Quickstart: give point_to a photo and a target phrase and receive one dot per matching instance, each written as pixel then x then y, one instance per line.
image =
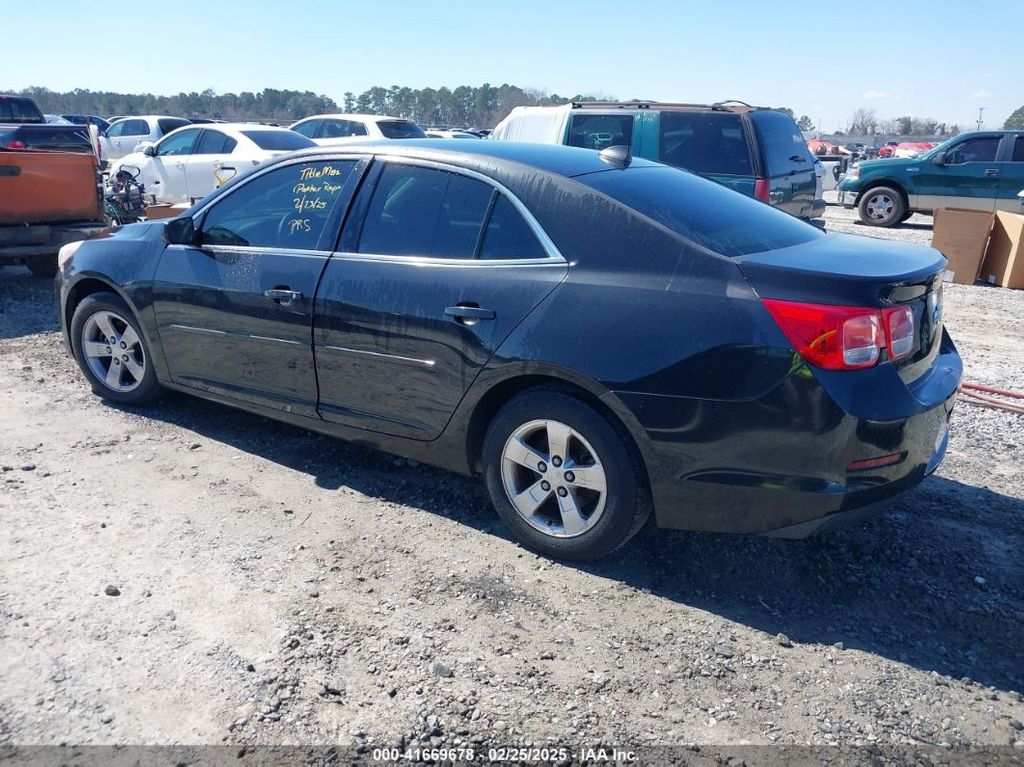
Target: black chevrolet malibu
pixel 599 337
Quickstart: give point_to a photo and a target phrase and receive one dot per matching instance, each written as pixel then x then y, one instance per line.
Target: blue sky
pixel 941 59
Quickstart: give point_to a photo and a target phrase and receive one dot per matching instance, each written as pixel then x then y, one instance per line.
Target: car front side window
pixel 115 130
pixel 286 208
pixel 974 150
pixel 178 144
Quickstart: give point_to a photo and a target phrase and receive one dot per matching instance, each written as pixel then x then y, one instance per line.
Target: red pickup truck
pixel 50 187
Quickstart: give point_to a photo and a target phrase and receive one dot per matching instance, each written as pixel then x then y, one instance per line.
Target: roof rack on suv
pixel 721 106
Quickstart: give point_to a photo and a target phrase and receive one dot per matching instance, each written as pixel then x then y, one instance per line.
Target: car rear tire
pixel 111 350
pixel 881 206
pixel 567 482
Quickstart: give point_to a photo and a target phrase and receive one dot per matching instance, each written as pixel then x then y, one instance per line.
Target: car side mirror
pixel 149 150
pixel 181 231
pixel 939 159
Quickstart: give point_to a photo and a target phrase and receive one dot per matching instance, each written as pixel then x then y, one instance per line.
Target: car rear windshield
pixel 167 124
pixel 702 211
pixel 278 140
pixel 17 110
pixel 400 129
pixel 705 142
pixel 782 143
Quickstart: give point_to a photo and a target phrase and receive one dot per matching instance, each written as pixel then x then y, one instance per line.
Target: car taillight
pixel 762 190
pixel 844 337
pixel 16 144
pixel 899 331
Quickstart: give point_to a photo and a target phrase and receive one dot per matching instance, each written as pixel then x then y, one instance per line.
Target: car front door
pixel 964 175
pixel 210 164
pixel 164 173
pixel 234 310
pixel 1011 174
pixel 436 267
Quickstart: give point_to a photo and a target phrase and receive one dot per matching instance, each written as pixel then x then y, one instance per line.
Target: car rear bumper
pixel 780 464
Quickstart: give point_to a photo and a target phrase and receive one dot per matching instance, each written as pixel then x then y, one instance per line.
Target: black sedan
pixel 599 337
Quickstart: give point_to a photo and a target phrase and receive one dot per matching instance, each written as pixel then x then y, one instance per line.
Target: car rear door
pixel 1011 174
pixel 436 267
pixel 966 176
pixel 234 311
pixel 788 163
pixel 210 163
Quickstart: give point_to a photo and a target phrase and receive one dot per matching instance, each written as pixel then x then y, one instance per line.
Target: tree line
pixel 471 106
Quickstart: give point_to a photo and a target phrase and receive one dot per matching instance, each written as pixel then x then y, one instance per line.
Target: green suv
pixel 756 151
pixel 983 170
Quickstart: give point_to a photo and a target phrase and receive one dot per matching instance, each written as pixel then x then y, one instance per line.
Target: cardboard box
pixel 163 210
pixel 962 236
pixel 1004 261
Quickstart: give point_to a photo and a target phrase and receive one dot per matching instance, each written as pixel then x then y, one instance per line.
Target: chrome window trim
pixel 553 254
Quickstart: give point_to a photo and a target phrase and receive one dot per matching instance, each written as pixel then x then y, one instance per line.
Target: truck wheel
pixel 43 267
pixel 112 352
pixel 565 480
pixel 881 206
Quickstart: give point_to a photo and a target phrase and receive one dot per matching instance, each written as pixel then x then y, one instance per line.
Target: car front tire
pixel 566 481
pixel 881 206
pixel 112 352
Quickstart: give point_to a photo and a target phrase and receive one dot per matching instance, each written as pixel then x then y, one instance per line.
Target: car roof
pixel 150 117
pixel 475 154
pixel 353 116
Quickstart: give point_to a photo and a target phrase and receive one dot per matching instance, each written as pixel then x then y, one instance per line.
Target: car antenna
pixel 619 155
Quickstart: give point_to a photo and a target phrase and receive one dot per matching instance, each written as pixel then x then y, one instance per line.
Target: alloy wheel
pixel 113 351
pixel 554 479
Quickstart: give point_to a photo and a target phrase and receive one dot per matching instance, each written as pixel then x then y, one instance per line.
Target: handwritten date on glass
pixel 312 184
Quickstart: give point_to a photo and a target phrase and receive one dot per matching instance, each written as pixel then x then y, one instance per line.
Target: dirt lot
pixel 191 574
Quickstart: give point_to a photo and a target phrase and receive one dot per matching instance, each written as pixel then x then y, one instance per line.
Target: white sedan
pixel 346 128
pixel 191 162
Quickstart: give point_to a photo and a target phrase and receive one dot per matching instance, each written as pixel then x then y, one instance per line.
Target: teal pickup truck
pixel 982 170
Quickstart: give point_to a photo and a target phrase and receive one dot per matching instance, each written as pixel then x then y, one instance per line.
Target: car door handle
pixel 991 172
pixel 473 313
pixel 283 295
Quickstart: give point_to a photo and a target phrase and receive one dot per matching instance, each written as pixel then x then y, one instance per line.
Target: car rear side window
pixel 702 211
pixel 705 142
pixel 400 129
pixel 600 131
pixel 286 208
pixel 1018 150
pixel 278 140
pixel 782 144
pixel 418 211
pixel 508 236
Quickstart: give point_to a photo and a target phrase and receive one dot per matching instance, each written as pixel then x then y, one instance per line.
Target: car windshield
pixel 702 211
pixel 400 129
pixel 278 140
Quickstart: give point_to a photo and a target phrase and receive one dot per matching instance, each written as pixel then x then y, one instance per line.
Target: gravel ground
pixel 189 574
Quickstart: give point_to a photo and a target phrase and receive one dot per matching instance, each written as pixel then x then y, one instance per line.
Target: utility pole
pixel 980 110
